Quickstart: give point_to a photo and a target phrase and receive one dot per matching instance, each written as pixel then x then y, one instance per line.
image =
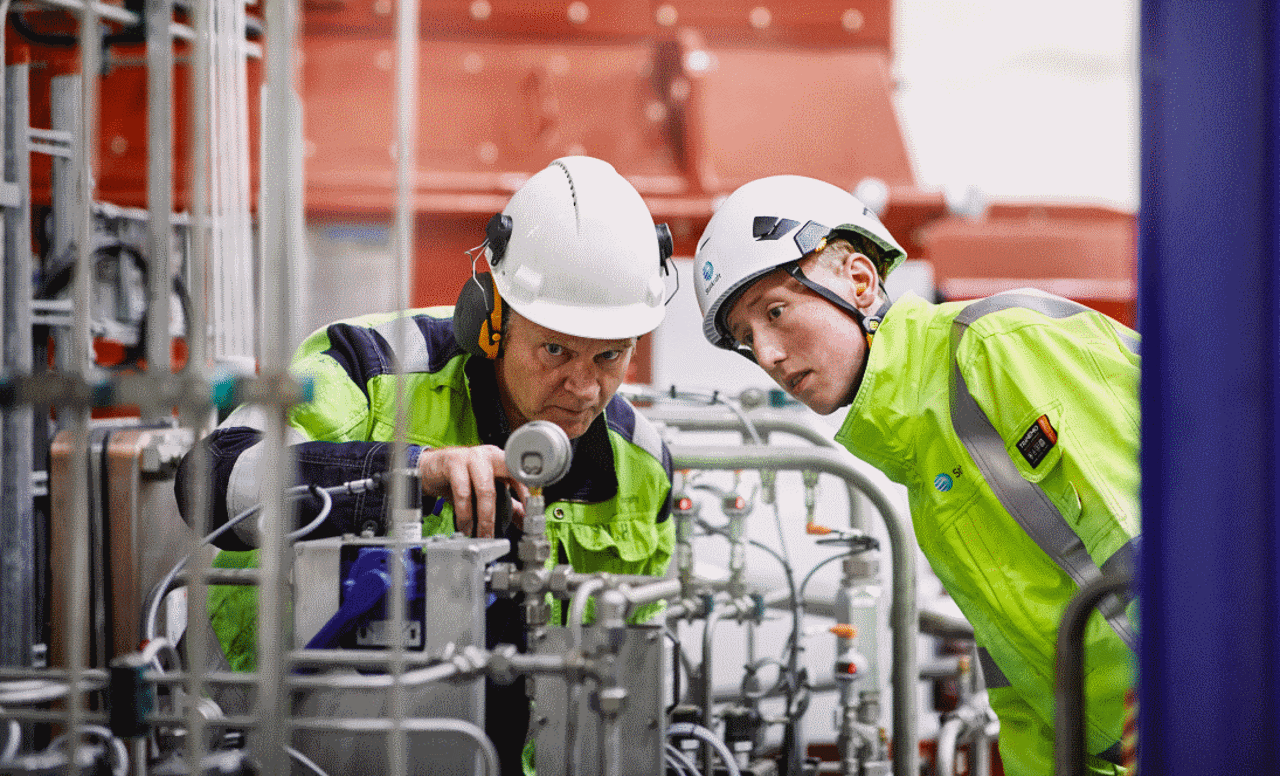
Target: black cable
pixel 675 666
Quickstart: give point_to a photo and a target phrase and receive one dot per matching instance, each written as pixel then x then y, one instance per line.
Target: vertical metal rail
pixel 902 548
pixel 86 144
pixel 159 15
pixel 195 373
pixel 406 172
pixel 17 555
pixel 281 190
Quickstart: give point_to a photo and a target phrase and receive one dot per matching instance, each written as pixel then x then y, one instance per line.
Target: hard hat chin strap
pixel 869 324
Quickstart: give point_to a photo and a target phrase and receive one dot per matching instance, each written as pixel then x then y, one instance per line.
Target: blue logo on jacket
pixel 707 271
pixel 942 482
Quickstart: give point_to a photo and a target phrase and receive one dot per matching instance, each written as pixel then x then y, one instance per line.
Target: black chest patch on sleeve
pixel 1038 440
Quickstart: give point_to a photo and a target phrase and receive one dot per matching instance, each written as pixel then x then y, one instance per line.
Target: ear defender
pixel 479 316
pixel 666 246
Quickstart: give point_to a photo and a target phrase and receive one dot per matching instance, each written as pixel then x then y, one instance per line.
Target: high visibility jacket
pixel 1013 422
pixel 609 512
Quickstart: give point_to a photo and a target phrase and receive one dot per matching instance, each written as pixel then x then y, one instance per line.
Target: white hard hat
pixel 576 251
pixel 769 223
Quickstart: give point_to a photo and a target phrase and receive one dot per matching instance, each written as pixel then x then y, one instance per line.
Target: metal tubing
pixel 731 608
pixel 17 563
pixel 77 616
pixel 1068 694
pixel 413 725
pixel 659 590
pixel 766 423
pixel 281 191
pixel 578 609
pixel 902 553
pixel 159 189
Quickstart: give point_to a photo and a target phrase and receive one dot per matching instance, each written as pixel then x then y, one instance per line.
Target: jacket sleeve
pixel 328 436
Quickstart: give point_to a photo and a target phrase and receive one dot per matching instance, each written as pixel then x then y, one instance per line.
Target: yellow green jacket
pixel 988 412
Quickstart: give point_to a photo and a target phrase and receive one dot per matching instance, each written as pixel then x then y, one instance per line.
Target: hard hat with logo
pixel 771 223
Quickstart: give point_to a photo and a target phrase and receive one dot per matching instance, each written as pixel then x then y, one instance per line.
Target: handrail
pixel 1068 694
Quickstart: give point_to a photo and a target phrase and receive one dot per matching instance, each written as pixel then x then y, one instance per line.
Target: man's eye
pixel 553 349
pixel 774 312
pixel 610 355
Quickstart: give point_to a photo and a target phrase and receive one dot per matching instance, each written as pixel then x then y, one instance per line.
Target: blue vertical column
pixel 1208 312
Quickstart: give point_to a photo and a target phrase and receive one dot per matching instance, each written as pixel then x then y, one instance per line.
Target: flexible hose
pixel 160 590
pixel 680 762
pixel 707 737
pixel 15 740
pixel 305 761
pixel 121 765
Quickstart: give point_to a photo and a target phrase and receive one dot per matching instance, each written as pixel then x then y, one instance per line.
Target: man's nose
pixel 581 380
pixel 768 351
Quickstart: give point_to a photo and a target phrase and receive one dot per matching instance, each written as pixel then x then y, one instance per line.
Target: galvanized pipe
pixel 281 193
pixel 413 725
pixel 159 15
pixel 195 411
pixel 709 420
pixel 902 553
pixel 17 564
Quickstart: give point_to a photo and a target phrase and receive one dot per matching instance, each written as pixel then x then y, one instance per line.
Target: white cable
pixel 121 765
pixel 680 762
pixel 707 737
pixel 15 740
pixel 305 761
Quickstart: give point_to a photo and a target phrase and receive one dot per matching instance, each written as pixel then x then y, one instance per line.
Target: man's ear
pixel 862 275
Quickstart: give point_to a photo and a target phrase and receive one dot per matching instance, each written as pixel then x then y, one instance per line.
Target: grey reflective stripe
pixel 415 357
pixel 646 437
pixel 1025 501
pixel 1037 301
pixel 992 677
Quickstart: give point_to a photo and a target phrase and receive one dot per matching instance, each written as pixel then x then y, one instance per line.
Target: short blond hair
pixel 837 249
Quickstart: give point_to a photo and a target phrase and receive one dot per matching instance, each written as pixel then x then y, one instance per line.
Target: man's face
pixel 810 348
pixel 568 380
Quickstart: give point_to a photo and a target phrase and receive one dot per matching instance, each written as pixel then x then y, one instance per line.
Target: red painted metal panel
pixel 844 23
pixel 823 113
pixel 491 114
pixel 1083 253
pixel 484 18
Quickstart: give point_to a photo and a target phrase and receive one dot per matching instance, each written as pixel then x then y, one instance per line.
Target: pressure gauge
pixel 538 453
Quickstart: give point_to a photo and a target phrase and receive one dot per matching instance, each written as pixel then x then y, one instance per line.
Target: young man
pixel 1012 421
pixel 576 277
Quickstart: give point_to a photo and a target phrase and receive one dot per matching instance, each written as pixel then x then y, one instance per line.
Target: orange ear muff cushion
pixel 490 340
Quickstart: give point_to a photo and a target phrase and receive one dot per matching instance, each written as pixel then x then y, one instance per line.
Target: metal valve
pixel 538 453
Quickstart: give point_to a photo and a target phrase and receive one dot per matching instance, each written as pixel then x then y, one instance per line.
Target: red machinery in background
pixel 688 100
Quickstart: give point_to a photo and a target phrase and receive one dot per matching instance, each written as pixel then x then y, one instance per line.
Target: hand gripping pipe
pixel 902 553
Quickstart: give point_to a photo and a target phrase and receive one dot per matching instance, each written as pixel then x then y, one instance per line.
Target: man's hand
pixel 468 477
